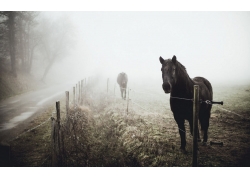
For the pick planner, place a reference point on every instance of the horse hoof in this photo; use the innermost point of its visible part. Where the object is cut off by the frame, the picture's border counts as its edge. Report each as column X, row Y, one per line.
column 183, row 150
column 204, row 143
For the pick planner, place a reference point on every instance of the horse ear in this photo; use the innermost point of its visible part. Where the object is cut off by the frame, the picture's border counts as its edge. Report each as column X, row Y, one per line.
column 174, row 59
column 161, row 60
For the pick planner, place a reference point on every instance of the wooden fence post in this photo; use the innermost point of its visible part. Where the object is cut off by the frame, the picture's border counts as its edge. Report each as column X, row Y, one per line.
column 195, row 124
column 67, row 106
column 108, row 85
column 55, row 137
column 74, row 95
column 81, row 91
column 79, row 94
column 53, row 154
column 128, row 101
column 79, row 97
column 85, row 88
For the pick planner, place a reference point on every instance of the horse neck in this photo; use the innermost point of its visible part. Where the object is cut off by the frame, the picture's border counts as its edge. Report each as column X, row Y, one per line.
column 183, row 86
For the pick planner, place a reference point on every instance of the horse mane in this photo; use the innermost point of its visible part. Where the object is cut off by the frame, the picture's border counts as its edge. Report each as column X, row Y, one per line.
column 180, row 66
column 181, row 70
column 182, row 74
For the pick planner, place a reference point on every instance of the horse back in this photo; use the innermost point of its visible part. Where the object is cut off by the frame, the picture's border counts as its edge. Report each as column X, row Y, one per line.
column 206, row 90
column 122, row 77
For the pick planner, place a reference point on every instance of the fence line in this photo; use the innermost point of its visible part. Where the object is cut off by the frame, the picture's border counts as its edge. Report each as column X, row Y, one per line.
column 113, row 94
column 77, row 100
column 138, row 105
column 110, row 91
column 29, row 130
column 168, row 109
column 134, row 101
column 190, row 99
column 155, row 113
column 232, row 112
column 152, row 94
column 150, row 112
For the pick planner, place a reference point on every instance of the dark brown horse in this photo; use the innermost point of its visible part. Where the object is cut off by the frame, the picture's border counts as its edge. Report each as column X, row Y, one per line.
column 122, row 80
column 177, row 82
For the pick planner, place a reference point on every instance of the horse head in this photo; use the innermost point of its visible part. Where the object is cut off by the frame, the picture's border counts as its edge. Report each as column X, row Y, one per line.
column 168, row 73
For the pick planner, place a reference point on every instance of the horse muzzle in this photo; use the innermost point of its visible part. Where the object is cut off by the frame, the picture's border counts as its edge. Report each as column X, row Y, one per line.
column 166, row 87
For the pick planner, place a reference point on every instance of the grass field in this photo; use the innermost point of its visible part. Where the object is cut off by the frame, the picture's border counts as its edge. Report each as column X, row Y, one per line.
column 102, row 133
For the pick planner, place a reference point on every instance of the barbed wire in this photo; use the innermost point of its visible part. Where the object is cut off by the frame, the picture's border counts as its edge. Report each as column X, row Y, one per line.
column 30, row 130
column 231, row 112
column 181, row 98
column 132, row 101
column 201, row 101
column 152, row 94
column 157, row 114
column 211, row 102
column 139, row 105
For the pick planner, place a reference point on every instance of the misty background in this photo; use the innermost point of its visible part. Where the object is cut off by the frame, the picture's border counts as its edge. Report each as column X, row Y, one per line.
column 214, row 45
column 69, row 46
column 56, row 47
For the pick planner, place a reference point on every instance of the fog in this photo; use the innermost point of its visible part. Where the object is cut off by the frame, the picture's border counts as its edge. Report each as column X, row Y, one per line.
column 214, row 45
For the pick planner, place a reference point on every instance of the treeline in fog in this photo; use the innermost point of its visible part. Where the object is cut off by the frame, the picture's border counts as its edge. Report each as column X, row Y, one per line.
column 29, row 39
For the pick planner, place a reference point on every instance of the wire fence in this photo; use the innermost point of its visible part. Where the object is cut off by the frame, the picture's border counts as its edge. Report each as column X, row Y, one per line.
column 113, row 93
column 226, row 110
column 187, row 99
column 130, row 100
column 18, row 136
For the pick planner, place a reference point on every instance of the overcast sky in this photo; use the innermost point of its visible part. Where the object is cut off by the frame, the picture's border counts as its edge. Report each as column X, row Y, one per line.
column 215, row 45
column 212, row 44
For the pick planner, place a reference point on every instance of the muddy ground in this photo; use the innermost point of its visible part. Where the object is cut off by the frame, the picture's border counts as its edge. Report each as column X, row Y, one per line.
column 145, row 135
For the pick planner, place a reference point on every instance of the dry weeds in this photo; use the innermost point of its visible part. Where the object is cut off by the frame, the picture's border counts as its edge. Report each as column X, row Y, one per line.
column 101, row 133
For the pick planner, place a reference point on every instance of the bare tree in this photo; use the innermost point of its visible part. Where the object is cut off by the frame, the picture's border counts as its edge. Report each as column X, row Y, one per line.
column 4, row 40
column 18, row 37
column 10, row 27
column 27, row 38
column 57, row 39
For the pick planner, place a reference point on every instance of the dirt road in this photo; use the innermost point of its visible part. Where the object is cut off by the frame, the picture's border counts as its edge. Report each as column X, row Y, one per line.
column 17, row 111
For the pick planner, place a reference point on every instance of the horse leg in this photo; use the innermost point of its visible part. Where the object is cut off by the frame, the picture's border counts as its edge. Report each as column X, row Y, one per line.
column 182, row 133
column 198, row 135
column 191, row 127
column 124, row 93
column 191, row 130
column 121, row 92
column 204, row 128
